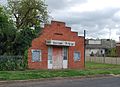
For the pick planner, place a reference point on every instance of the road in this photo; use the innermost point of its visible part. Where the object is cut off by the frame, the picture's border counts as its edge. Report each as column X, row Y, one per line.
column 86, row 82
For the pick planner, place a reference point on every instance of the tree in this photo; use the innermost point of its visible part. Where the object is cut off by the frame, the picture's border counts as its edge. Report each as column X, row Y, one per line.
column 23, row 40
column 7, row 33
column 28, row 13
column 15, row 22
column 13, row 41
column 111, row 52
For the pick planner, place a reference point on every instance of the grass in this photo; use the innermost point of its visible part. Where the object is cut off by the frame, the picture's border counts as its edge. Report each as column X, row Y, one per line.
column 93, row 65
column 91, row 69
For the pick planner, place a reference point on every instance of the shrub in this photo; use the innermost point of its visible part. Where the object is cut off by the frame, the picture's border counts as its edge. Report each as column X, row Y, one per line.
column 25, row 59
column 11, row 63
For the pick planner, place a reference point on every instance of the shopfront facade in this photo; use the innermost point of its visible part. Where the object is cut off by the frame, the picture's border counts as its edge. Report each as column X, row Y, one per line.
column 57, row 47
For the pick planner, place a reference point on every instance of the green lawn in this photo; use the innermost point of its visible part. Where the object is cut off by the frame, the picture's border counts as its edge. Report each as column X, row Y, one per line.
column 92, row 65
column 91, row 69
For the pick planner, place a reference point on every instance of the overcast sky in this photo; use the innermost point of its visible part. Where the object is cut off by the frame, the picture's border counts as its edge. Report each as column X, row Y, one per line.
column 100, row 18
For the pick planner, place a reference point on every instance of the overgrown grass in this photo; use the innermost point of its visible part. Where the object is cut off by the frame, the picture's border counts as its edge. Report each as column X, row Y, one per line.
column 91, row 69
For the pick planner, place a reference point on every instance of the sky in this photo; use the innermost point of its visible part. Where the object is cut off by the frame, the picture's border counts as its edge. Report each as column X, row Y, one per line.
column 100, row 18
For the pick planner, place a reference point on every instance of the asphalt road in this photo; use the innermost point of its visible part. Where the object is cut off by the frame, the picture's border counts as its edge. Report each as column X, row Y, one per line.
column 86, row 82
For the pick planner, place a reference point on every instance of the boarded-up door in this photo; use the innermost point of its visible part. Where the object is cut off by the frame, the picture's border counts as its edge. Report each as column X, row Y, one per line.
column 57, row 58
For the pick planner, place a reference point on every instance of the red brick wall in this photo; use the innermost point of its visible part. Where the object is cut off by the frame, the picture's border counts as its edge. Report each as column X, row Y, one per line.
column 50, row 32
column 118, row 49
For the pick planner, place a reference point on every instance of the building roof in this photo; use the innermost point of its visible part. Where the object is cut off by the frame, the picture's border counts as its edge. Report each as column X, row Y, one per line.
column 103, row 44
column 91, row 46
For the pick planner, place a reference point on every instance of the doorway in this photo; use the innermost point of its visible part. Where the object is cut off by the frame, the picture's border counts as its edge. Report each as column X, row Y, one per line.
column 57, row 57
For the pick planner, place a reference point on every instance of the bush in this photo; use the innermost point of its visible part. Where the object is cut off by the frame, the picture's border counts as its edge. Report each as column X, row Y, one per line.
column 25, row 59
column 11, row 63
column 111, row 52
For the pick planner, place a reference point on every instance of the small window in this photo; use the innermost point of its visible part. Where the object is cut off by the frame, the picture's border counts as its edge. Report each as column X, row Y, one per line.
column 49, row 53
column 76, row 56
column 36, row 55
column 65, row 53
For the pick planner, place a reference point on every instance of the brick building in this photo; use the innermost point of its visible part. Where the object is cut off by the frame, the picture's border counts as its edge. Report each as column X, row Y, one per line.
column 57, row 47
column 118, row 49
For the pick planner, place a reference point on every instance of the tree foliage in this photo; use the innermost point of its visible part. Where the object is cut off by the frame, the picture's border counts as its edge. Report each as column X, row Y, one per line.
column 28, row 13
column 23, row 40
column 12, row 40
column 16, row 21
column 111, row 52
column 7, row 33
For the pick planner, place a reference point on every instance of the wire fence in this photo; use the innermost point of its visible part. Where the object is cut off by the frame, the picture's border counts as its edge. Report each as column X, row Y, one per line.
column 106, row 60
column 11, row 63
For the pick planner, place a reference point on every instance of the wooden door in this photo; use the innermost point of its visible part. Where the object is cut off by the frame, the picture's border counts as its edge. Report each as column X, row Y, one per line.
column 57, row 58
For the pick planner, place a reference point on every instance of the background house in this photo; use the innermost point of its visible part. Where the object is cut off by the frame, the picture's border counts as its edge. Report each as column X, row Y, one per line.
column 99, row 47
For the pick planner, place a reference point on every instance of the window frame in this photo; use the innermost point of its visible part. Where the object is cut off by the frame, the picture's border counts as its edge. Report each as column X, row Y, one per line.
column 40, row 55
column 65, row 53
column 78, row 54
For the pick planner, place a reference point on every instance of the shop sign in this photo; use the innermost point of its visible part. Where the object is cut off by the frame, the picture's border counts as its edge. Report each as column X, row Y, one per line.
column 60, row 43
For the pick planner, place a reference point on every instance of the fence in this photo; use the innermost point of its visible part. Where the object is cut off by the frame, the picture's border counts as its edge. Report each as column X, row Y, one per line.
column 11, row 63
column 107, row 60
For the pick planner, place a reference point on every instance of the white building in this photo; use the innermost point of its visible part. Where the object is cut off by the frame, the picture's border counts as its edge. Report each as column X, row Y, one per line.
column 98, row 47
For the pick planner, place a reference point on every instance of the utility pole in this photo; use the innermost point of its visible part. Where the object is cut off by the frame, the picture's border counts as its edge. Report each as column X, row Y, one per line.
column 84, row 46
column 110, row 37
column 109, row 33
column 110, row 41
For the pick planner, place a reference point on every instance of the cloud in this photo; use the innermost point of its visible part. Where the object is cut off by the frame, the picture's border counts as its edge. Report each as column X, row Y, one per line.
column 97, row 17
column 101, row 18
column 97, row 22
column 118, row 32
column 62, row 4
column 3, row 2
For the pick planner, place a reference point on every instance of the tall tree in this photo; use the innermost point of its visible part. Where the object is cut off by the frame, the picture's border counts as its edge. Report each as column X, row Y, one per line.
column 28, row 13
column 15, row 32
column 13, row 41
column 23, row 40
column 7, row 33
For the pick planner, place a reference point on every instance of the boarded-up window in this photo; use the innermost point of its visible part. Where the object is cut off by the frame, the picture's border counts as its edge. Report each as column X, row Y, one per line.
column 36, row 55
column 76, row 56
